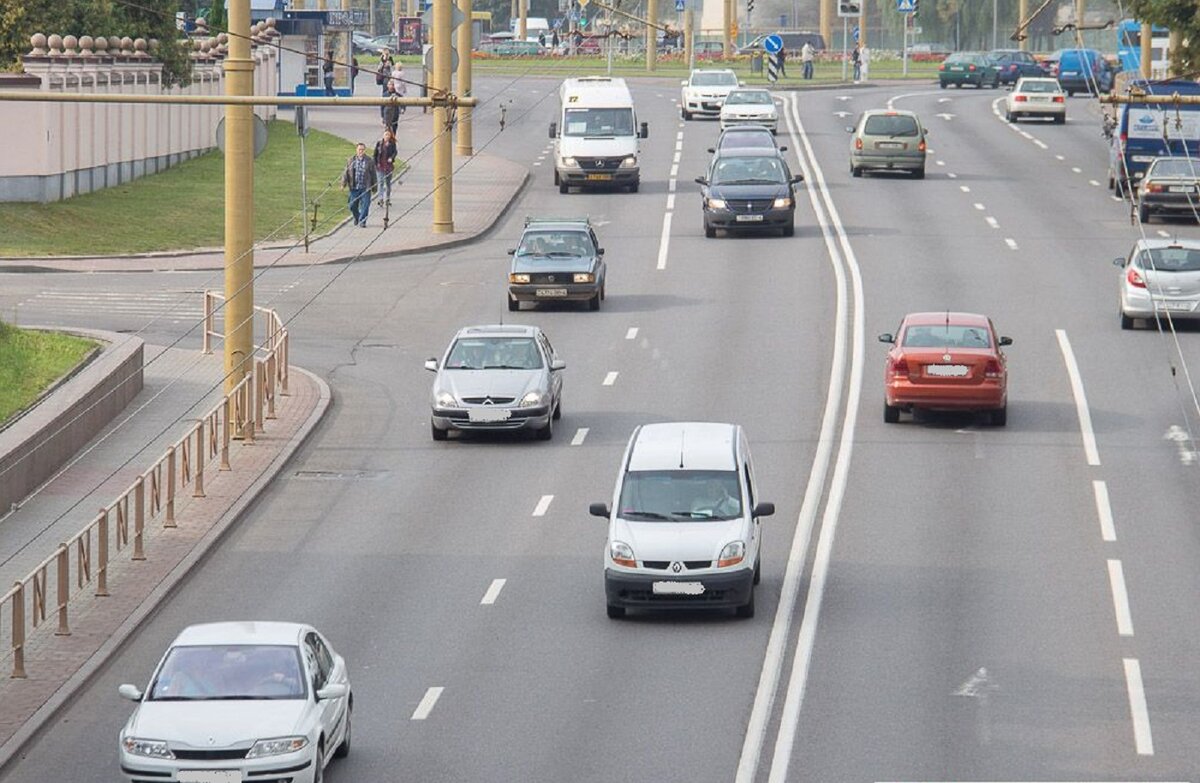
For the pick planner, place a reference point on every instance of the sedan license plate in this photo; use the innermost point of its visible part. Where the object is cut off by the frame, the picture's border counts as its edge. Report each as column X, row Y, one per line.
column 749, row 218
column 677, row 588
column 946, row 370
column 956, row 67
column 486, row 415
column 599, row 177
column 1174, row 306
column 551, row 292
column 890, row 145
column 1181, row 189
column 209, row 776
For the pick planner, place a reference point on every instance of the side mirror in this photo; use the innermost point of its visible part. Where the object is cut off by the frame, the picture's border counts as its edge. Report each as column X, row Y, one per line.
column 701, row 181
column 1005, row 341
column 554, row 130
column 763, row 510
column 645, row 132
column 130, row 692
column 1119, row 262
column 712, row 150
column 781, row 149
column 557, row 364
column 599, row 510
column 887, row 337
column 926, row 131
column 512, row 251
column 683, row 83
column 337, row 690
column 431, row 365
column 797, row 179
column 600, row 252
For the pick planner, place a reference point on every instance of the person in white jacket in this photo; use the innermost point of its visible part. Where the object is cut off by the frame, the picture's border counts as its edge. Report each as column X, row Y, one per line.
column 865, row 57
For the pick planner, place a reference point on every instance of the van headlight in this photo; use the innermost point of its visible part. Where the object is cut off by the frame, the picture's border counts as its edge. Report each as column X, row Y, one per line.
column 781, row 203
column 445, row 399
column 629, row 162
column 622, row 554
column 569, row 162
column 716, row 203
column 733, row 553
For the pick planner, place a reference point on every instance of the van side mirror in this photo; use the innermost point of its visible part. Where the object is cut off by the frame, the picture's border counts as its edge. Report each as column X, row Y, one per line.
column 887, row 337
column 554, row 130
column 600, row 252
column 763, row 510
column 130, row 692
column 1005, row 341
column 645, row 132
column 431, row 365
column 781, row 149
column 701, row 181
column 599, row 510
column 797, row 179
column 712, row 150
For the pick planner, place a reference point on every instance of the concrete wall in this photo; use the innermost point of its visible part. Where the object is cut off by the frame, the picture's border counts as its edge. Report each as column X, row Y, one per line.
column 36, row 445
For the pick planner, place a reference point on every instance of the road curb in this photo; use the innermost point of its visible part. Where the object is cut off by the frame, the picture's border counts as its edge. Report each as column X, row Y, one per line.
column 11, row 749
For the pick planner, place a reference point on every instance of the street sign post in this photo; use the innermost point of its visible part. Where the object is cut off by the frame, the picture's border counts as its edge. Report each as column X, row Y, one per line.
column 773, row 68
column 773, row 44
column 680, row 5
column 906, row 6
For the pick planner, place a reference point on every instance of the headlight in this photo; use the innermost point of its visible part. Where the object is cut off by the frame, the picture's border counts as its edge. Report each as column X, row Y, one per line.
column 568, row 161
column 155, row 749
column 629, row 162
column 584, row 277
column 533, row 398
column 445, row 399
column 716, row 203
column 517, row 278
column 274, row 747
column 733, row 553
column 622, row 554
column 782, row 202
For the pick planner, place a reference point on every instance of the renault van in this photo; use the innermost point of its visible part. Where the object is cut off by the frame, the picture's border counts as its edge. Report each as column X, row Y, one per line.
column 596, row 138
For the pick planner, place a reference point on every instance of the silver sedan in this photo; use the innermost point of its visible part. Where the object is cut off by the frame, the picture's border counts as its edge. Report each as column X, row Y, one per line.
column 1160, row 277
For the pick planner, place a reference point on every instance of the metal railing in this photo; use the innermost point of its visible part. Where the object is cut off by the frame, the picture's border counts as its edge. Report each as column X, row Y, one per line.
column 119, row 529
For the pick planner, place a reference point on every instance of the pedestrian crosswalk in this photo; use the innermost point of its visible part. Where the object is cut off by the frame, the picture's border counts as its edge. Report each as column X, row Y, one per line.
column 165, row 305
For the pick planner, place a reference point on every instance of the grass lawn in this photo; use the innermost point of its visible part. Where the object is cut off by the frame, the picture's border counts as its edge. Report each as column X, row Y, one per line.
column 180, row 208
column 31, row 361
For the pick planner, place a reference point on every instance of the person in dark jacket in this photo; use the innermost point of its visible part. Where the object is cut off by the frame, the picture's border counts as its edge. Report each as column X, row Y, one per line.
column 360, row 178
column 353, row 71
column 385, row 164
column 327, row 69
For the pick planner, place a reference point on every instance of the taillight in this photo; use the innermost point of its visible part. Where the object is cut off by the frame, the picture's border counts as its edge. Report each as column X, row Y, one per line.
column 1059, row 99
column 858, row 144
column 942, row 67
column 971, row 68
column 1134, row 279
column 1124, row 138
column 992, row 370
column 898, row 366
column 1020, row 98
column 921, row 146
column 1153, row 187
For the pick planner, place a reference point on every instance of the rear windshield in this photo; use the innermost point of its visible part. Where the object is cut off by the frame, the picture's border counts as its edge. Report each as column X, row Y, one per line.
column 1170, row 259
column 1178, row 167
column 1039, row 86
column 680, row 495
column 749, row 96
column 714, row 78
column 946, row 336
column 890, row 125
column 748, row 139
column 963, row 57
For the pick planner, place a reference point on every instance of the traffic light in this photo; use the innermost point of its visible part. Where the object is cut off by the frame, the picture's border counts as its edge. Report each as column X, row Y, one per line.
column 749, row 6
column 916, row 8
column 849, row 8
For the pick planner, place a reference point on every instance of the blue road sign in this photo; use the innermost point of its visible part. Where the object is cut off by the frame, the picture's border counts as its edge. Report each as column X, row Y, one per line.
column 906, row 6
column 773, row 44
column 679, row 4
column 855, row 35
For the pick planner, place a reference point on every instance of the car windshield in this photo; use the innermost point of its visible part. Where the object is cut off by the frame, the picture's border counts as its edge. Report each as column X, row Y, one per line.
column 1170, row 259
column 1176, row 167
column 962, row 58
column 1039, row 85
column 749, row 170
column 714, row 79
column 890, row 125
column 946, row 336
column 494, row 353
column 749, row 96
column 229, row 673
column 680, row 495
column 559, row 244
column 747, row 139
column 598, row 122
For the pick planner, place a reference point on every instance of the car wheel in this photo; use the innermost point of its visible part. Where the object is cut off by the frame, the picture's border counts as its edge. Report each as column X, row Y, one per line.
column 547, row 432
column 604, row 291
column 319, row 763
column 558, row 411
column 1119, row 187
column 856, row 171
column 1070, row 93
column 634, row 187
column 919, row 173
column 942, row 85
column 1143, row 213
column 1060, row 119
column 1112, row 181
column 758, row 570
column 1010, row 117
column 1126, row 321
column 556, row 181
column 513, row 304
column 891, row 413
column 343, row 750
column 996, row 83
column 789, row 230
column 1000, row 417
column 594, row 302
column 615, row 612
column 746, row 610
column 436, row 433
column 687, row 115
column 562, row 187
column 709, row 231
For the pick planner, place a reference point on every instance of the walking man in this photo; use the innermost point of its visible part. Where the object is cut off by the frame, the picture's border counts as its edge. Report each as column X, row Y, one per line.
column 353, row 72
column 783, row 63
column 360, row 178
column 327, row 68
column 806, row 57
column 856, row 59
column 382, row 74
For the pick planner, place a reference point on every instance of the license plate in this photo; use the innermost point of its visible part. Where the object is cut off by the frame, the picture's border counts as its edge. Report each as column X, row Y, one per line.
column 890, row 145
column 1174, row 306
column 1181, row 189
column 552, row 292
column 946, row 370
column 484, row 415
column 677, row 588
column 749, row 218
column 209, row 776
column 1039, row 99
column 1070, row 73
column 599, row 177
column 956, row 67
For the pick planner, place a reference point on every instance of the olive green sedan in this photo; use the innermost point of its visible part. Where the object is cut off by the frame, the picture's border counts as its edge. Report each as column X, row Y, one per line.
column 974, row 68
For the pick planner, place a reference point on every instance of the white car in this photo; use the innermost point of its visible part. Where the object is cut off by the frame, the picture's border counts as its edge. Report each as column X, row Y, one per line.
column 705, row 90
column 237, row 702
column 1036, row 97
column 1160, row 277
column 750, row 107
column 683, row 529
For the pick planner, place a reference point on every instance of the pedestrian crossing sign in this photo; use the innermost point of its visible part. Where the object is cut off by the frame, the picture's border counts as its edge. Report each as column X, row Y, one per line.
column 906, row 6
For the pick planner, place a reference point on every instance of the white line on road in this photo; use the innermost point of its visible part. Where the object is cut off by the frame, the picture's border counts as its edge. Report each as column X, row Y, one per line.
column 991, row 221
column 964, row 188
column 1093, row 183
column 941, row 162
column 1076, row 169
column 679, row 136
column 1012, row 243
column 1116, row 578
column 580, row 434
column 1059, row 157
column 1164, row 234
column 664, row 242
column 543, row 505
column 1041, row 144
column 674, row 173
column 1108, row 530
column 670, row 201
column 537, row 163
column 631, row 334
column 679, row 144
column 493, row 592
column 952, row 176
column 427, row 701
column 1081, row 406
column 611, row 378
column 1026, row 134
column 979, row 206
column 676, row 159
column 1137, row 708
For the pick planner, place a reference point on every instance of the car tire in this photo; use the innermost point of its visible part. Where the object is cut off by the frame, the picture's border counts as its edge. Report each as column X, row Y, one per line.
column 437, row 433
column 547, row 432
column 1143, row 214
column 615, row 612
column 603, row 290
column 919, row 173
column 1126, row 321
column 746, row 610
column 1112, row 181
column 513, row 304
column 709, row 232
column 758, row 570
column 789, row 230
column 891, row 414
column 942, row 85
column 558, row 411
column 343, row 750
column 1000, row 417
column 1010, row 117
column 856, row 171
column 562, row 187
column 556, row 180
column 634, row 187
column 1060, row 119
column 594, row 302
column 687, row 115
column 1070, row 93
column 319, row 763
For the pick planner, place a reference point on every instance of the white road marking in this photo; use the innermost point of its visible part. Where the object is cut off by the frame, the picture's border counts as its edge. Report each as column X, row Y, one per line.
column 1026, row 134
column 1012, row 243
column 1081, row 406
column 580, row 435
column 1093, row 183
column 1116, row 578
column 611, row 378
column 679, row 136
column 1137, row 708
column 543, row 505
column 1164, row 234
column 1059, row 157
column 537, row 163
column 1108, row 530
column 952, row 176
column 979, row 206
column 991, row 221
column 671, row 184
column 842, row 114
column 664, row 242
column 674, row 173
column 1076, row 169
column 493, row 592
column 676, row 160
column 679, row 145
column 964, row 188
column 632, row 333
column 670, row 201
column 427, row 701
column 1041, row 144
column 941, row 162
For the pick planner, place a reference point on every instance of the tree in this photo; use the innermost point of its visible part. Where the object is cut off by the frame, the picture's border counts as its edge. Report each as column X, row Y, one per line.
column 1178, row 16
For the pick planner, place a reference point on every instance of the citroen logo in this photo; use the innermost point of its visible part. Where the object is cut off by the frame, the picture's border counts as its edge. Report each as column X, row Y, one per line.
column 945, row 357
column 676, row 567
column 488, row 401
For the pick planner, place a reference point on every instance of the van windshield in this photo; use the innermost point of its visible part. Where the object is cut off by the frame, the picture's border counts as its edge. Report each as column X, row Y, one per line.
column 598, row 122
column 680, row 495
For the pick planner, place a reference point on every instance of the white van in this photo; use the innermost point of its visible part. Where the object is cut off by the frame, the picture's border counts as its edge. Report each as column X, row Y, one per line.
column 683, row 528
column 596, row 137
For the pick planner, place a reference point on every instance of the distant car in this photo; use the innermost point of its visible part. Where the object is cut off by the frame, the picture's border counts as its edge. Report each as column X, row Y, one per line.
column 389, row 42
column 886, row 139
column 708, row 50
column 705, row 90
column 1170, row 186
column 1014, row 64
column 363, row 43
column 240, row 701
column 512, row 48
column 748, row 189
column 946, row 361
column 1160, row 276
column 968, row 68
column 1036, row 97
column 747, row 137
column 749, row 106
column 495, row 378
column 557, row 260
column 1082, row 70
column 793, row 41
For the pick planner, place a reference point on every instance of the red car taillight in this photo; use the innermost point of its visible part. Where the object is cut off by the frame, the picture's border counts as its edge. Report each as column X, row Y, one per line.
column 992, row 370
column 921, row 146
column 898, row 367
column 1059, row 99
column 1154, row 187
column 858, row 144
column 971, row 68
column 942, row 67
column 1134, row 278
column 1020, row 98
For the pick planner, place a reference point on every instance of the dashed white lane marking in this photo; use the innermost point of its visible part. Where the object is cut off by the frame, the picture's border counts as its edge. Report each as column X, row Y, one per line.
column 427, row 701
column 679, row 145
column 676, row 160
column 1059, row 157
column 670, row 201
column 631, row 334
column 952, row 176
column 679, row 136
column 664, row 242
column 1108, row 531
column 671, row 186
column 1137, row 708
column 964, row 188
column 1164, row 234
column 537, row 163
column 1041, row 144
column 493, row 592
column 611, row 378
column 941, row 162
column 1116, row 578
column 1012, row 243
column 1076, row 169
column 991, row 221
column 1026, row 134
column 979, row 206
column 543, row 505
column 1081, row 405
column 1093, row 183
column 674, row 170
column 580, row 436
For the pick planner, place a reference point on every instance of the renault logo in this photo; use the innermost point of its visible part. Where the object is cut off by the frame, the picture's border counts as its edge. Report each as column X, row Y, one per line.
column 676, row 567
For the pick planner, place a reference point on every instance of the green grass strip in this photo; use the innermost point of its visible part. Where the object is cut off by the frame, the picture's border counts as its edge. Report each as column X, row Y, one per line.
column 31, row 361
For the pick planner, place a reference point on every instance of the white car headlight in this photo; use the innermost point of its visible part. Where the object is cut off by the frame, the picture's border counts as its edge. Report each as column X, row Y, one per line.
column 622, row 554
column 517, row 277
column 568, row 161
column 629, row 162
column 445, row 399
column 716, row 203
column 533, row 398
column 733, row 553
column 584, row 277
column 277, row 746
column 154, row 749
column 780, row 203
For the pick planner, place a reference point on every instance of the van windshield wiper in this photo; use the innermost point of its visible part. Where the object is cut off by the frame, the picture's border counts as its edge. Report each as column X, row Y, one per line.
column 644, row 514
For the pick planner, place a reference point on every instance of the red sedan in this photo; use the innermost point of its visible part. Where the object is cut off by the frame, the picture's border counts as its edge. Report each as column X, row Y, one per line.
column 946, row 362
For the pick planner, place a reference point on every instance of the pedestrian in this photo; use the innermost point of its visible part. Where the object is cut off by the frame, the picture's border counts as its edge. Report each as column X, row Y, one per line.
column 382, row 74
column 782, row 63
column 856, row 59
column 806, row 57
column 542, row 39
column 391, row 117
column 385, row 164
column 554, row 40
column 327, row 68
column 865, row 62
column 397, row 84
column 353, row 71
column 578, row 39
column 360, row 178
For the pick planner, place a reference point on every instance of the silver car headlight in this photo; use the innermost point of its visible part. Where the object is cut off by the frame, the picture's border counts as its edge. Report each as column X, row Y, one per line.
column 533, row 399
column 716, row 203
column 154, row 749
column 629, row 162
column 568, row 162
column 733, row 553
column 445, row 399
column 781, row 203
column 277, row 746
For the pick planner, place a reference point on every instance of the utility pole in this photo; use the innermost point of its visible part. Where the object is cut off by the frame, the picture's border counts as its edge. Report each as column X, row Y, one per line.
column 465, row 40
column 727, row 28
column 827, row 22
column 689, row 38
column 239, row 200
column 1080, row 10
column 651, row 34
column 443, row 195
column 397, row 12
column 1022, row 13
column 522, row 24
column 995, row 23
column 1147, row 32
column 862, row 25
column 1174, row 41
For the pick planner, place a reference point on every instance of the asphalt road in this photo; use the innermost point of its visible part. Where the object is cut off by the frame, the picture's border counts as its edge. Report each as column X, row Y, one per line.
column 937, row 548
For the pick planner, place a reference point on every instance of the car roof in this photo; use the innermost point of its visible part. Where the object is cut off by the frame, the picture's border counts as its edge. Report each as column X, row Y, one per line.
column 712, row 70
column 942, row 317
column 747, row 152
column 498, row 330
column 749, row 89
column 559, row 224
column 685, row 445
column 897, row 112
column 1157, row 243
column 240, row 632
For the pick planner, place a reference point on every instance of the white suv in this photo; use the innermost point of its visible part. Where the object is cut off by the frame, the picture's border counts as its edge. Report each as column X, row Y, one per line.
column 684, row 527
column 705, row 91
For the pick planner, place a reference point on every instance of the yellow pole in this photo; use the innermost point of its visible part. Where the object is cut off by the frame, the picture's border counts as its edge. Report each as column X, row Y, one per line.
column 827, row 23
column 320, row 5
column 651, row 34
column 239, row 199
column 1080, row 10
column 1147, row 32
column 727, row 29
column 397, row 12
column 862, row 24
column 465, row 146
column 522, row 24
column 1174, row 41
column 1022, row 13
column 443, row 195
column 689, row 37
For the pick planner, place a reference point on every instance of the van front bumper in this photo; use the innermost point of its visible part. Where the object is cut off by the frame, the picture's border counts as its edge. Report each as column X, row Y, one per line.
column 580, row 177
column 636, row 590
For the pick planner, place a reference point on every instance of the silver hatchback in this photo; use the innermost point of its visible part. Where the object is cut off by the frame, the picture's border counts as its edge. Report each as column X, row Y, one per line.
column 886, row 139
column 1160, row 276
